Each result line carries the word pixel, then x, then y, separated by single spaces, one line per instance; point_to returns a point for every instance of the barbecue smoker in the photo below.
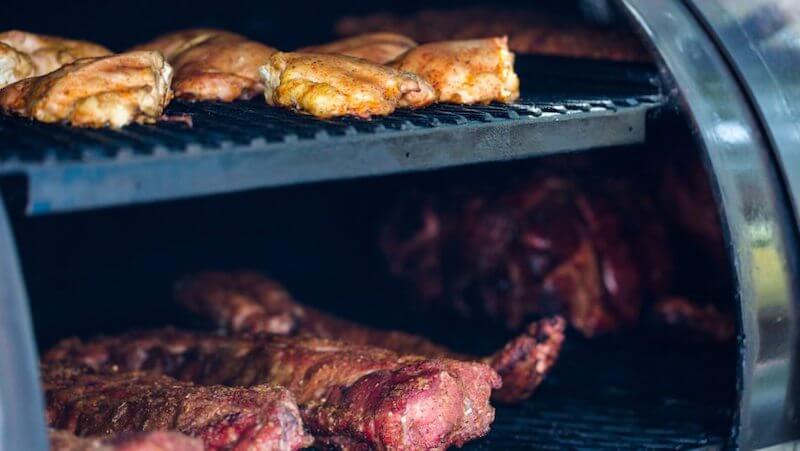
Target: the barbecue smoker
pixel 97 225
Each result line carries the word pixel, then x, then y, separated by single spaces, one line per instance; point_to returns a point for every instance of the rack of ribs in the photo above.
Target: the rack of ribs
pixel 108 402
pixel 536 245
pixel 143 441
pixel 249 303
pixel 350 397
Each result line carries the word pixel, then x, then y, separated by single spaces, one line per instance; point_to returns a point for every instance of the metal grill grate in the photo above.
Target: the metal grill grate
pixel 220 126
pixel 246 145
pixel 619 394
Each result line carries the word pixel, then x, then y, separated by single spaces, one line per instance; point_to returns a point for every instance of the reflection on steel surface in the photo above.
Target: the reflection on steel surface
pixel 754 209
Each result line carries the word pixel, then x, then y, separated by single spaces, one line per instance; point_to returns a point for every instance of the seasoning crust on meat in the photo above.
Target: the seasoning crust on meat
pixel 48 53
pixel 14 65
pixel 144 441
pixel 378 48
pixel 353 397
pixel 95 92
pixel 212 64
pixel 472 71
pixel 522 248
pixel 335 85
pixel 692 322
pixel 89 403
pixel 247 302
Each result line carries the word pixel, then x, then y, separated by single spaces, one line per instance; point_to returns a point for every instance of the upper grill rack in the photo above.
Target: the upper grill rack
pixel 245 145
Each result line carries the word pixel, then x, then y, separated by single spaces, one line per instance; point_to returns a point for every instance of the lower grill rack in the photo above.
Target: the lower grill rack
pixel 614 394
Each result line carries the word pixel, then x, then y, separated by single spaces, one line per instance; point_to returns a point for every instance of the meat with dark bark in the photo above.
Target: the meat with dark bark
pixel 142 441
pixel 109 402
pixel 530 247
pixel 350 396
pixel 691 322
pixel 247 302
pixel 687 197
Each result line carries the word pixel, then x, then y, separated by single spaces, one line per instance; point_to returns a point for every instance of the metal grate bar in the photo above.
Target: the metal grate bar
pixel 142 163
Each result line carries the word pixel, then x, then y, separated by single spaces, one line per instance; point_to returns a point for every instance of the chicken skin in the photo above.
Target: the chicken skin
pixel 473 71
pixel 172 44
pixel 378 48
pixel 335 85
pixel 212 64
pixel 14 65
pixel 95 92
pixel 48 53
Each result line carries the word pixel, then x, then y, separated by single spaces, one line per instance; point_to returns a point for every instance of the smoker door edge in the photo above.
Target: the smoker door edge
pixel 754 211
pixel 21 405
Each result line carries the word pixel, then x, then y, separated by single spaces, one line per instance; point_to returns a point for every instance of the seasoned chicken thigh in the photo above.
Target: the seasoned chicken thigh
pixel 95 92
pixel 473 71
pixel 335 85
pixel 213 64
pixel 14 65
pixel 172 44
pixel 379 48
pixel 48 53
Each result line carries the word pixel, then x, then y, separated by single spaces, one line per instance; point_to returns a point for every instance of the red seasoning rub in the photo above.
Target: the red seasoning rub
pixel 249 303
pixel 90 403
pixel 352 397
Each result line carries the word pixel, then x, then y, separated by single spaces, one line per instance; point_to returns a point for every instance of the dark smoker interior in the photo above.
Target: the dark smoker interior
pixel 112 270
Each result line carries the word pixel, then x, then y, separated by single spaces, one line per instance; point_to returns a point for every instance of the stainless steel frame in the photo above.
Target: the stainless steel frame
pixel 21 405
pixel 755 211
pixel 761 40
pixel 748 127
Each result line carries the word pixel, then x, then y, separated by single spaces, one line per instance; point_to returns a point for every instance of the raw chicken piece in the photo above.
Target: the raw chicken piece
pixel 473 71
pixel 378 48
pixel 48 53
pixel 213 64
pixel 14 65
pixel 95 92
pixel 335 85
